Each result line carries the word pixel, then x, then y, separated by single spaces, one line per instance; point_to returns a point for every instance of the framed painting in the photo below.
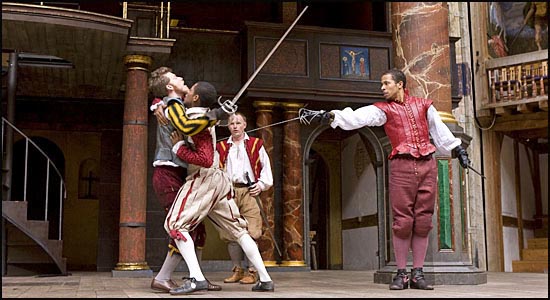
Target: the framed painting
pixel 354 63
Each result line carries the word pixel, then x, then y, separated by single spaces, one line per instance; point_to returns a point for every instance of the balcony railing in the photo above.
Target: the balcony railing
pixel 151 19
pixel 518 83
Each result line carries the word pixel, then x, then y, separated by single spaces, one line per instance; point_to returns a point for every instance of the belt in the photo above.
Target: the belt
pixel 240 185
pixel 410 157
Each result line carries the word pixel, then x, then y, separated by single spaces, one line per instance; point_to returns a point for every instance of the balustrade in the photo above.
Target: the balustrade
pixel 519 83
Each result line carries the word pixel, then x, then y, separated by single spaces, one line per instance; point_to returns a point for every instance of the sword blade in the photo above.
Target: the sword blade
pixel 477 172
pixel 245 86
pixel 264 217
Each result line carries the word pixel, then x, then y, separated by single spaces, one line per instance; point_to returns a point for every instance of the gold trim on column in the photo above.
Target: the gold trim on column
pixel 447 117
pixel 270 263
pixel 293 263
pixel 132 266
pixel 292 107
pixel 264 106
pixel 138 62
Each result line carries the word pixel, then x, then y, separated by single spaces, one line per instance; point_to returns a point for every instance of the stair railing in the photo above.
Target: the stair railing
pixel 62 186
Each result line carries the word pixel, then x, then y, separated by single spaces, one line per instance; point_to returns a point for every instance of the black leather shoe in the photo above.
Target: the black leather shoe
pixel 261 286
pixel 418 281
pixel 190 286
pixel 400 281
pixel 213 287
pixel 163 285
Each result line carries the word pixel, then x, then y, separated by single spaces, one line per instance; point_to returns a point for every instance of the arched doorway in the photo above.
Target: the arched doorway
pixel 318 209
pixel 36 180
pixel 344 180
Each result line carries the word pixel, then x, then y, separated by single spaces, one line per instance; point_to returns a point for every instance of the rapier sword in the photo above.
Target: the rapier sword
pixel 264 217
pixel 228 105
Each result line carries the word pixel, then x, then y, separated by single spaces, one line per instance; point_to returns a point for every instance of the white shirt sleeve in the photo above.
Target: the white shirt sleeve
pixel 266 177
pixel 442 136
pixel 349 119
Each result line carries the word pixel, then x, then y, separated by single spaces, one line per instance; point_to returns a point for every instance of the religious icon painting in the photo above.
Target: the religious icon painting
pixel 354 62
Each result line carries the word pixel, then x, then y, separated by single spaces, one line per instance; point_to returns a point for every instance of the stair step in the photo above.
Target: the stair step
pixel 537 243
pixel 17 269
pixel 530 266
pixel 534 254
pixel 15 209
pixel 27 254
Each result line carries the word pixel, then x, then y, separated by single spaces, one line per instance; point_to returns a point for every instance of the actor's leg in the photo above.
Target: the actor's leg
pixel 236 254
pixel 253 253
pixel 170 264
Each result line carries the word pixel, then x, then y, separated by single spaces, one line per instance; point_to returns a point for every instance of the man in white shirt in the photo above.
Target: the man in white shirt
pixel 242 155
pixel 408 122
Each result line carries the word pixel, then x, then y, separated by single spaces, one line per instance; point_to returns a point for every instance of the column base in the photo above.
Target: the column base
pixel 270 263
pixel 140 269
pixel 293 263
pixel 438 275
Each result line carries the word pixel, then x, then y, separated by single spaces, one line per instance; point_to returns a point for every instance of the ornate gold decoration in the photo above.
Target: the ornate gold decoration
pixel 264 106
pixel 293 263
pixel 138 62
pixel 270 263
pixel 292 106
pixel 132 266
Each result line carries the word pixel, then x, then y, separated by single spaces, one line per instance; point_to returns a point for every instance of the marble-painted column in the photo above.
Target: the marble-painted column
pixel 133 186
pixel 293 217
pixel 264 117
pixel 420 33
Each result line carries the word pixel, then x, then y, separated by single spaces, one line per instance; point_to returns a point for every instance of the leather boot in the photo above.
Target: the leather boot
pixel 250 278
pixel 418 281
pixel 400 281
pixel 238 274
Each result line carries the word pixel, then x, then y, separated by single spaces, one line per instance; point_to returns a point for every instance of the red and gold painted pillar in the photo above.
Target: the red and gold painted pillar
pixel 420 33
pixel 264 117
pixel 293 217
pixel 133 190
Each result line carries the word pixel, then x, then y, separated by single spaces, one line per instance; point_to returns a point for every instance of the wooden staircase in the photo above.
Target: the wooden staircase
pixel 29 249
pixel 535 256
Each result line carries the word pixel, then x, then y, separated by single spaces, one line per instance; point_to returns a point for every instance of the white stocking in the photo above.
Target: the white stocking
pixel 253 253
pixel 187 250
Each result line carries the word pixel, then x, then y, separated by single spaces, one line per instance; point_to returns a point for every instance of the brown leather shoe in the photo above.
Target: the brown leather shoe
pixel 238 274
pixel 250 278
pixel 163 285
pixel 213 287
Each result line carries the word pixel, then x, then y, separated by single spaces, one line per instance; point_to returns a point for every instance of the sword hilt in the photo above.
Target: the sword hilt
pixel 228 106
pixel 248 181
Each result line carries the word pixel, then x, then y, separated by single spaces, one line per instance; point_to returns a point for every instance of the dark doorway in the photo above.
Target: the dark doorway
pixel 318 209
pixel 40 180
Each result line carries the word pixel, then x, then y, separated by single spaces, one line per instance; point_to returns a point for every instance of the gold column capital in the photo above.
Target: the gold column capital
pixel 264 106
pixel 138 62
pixel 292 107
pixel 447 117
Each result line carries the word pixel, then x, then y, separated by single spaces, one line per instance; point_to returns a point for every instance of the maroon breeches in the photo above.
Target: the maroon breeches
pixel 412 195
pixel 167 181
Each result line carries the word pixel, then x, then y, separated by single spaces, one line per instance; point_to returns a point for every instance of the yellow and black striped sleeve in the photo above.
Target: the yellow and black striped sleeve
pixel 189 127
